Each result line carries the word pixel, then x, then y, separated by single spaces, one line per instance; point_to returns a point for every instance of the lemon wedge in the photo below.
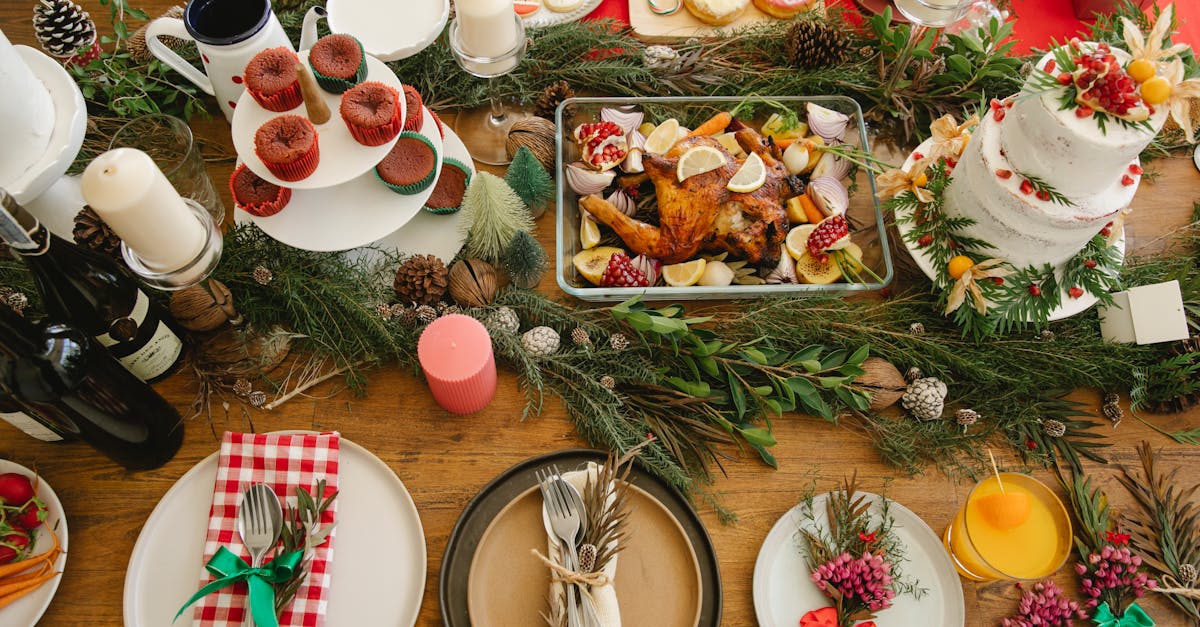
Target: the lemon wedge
pixel 797 240
pixel 684 274
pixel 589 232
pixel 749 177
pixel 662 137
pixel 698 160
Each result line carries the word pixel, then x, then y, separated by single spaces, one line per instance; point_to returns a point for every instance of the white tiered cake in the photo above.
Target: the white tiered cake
pixel 1094 167
pixel 27 113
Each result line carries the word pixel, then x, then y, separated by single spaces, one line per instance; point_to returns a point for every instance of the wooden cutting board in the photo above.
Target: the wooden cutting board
pixel 680 25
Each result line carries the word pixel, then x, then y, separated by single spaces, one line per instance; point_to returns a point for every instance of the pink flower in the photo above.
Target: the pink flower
pixel 1044 606
pixel 1113 576
pixel 863 582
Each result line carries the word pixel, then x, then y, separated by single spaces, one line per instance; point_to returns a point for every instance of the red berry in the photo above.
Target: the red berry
pixel 1090 263
pixel 1127 180
pixel 1075 292
pixel 1064 79
pixel 950 163
pixel 1026 187
pixel 1106 231
pixel 622 273
pixel 1034 290
pixel 1050 65
pixel 1004 174
pixel 917 156
pixel 925 240
pixel 1043 194
pixel 1083 112
pixel 1135 169
pixel 1030 444
pixel 995 104
pixel 998 280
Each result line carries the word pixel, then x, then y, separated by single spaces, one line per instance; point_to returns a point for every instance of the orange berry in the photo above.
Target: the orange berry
pixel 1156 90
pixel 922 180
pixel 958 266
pixel 1141 70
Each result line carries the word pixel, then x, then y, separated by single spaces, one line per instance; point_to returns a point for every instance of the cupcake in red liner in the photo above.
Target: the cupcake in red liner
pixel 256 196
pixel 271 79
pixel 338 62
pixel 372 113
pixel 438 121
pixel 414 116
pixel 450 188
pixel 408 169
pixel 288 147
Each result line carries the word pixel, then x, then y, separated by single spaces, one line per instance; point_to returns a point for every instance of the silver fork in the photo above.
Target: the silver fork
pixel 565 526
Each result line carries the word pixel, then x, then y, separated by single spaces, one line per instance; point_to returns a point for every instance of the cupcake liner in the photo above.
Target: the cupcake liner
pixel 336 85
pixel 438 121
pixel 298 169
pixel 421 185
pixel 451 162
pixel 285 99
pixel 378 135
pixel 269 208
pixel 415 119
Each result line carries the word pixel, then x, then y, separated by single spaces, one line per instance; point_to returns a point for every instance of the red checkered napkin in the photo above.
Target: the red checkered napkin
pixel 283 462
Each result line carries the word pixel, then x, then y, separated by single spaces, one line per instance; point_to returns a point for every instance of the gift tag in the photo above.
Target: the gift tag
pixel 1157 312
pixel 1116 322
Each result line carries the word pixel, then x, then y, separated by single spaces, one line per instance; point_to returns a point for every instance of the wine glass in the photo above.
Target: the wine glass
pixel 923 14
pixel 485 131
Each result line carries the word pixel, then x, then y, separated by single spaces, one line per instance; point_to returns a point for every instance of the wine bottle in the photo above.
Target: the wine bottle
pixel 95 294
pixel 18 415
pixel 64 376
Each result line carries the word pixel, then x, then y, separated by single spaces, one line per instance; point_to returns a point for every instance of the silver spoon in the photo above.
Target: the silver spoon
pixel 260 520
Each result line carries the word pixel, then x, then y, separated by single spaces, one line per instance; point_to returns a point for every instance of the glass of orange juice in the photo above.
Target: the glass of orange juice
pixel 1011 527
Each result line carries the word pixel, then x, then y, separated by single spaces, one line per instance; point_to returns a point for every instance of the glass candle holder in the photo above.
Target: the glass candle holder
pixel 485 132
pixel 192 272
pixel 170 143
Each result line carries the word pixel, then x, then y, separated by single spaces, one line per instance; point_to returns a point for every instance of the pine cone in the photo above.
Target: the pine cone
pixel 579 336
pixel 1113 412
pixel 138 51
pixel 553 95
pixel 426 314
pixel 242 387
pixel 422 279
pixel 587 558
pixel 966 417
pixel 912 374
pixel 262 275
pixel 925 398
pixel 1054 428
pixel 503 320
pixel 607 382
pixel 1046 335
pixel 916 328
pixel 406 315
pixel 91 232
pixel 385 311
pixel 1112 397
pixel 540 341
pixel 1187 574
pixel 815 44
pixel 618 342
pixel 62 27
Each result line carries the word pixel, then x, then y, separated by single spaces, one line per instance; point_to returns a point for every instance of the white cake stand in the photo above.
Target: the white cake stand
pixel 43 189
pixel 1069 307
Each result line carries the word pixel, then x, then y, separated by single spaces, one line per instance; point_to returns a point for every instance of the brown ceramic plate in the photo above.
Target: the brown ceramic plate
pixel 658 577
pixel 478 515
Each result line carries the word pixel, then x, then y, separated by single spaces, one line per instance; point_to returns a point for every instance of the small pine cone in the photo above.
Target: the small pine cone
pixel 451 310
pixel 587 558
pixel 426 314
pixel 17 301
pixel 912 374
pixel 385 311
pixel 90 231
pixel 422 279
pixel 580 337
pixel 607 382
pixel 1046 335
pixel 242 387
pixel 263 275
pixel 1054 428
pixel 618 342
pixel 916 328
pixel 257 398
pixel 815 44
pixel 441 307
pixel 547 102
pixel 1187 574
pixel 966 417
pixel 407 315
pixel 1112 397
pixel 1113 412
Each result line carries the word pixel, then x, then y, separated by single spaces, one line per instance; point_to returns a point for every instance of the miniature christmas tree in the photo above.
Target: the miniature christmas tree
pixel 494 214
pixel 528 178
pixel 525 261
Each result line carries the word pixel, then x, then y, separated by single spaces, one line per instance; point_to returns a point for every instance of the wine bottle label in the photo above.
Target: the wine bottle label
pixel 31 427
pixel 142 342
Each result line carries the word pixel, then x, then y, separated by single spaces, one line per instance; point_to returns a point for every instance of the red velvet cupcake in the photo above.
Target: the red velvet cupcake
pixel 288 147
pixel 372 113
pixel 414 117
pixel 271 79
pixel 440 125
pixel 338 62
pixel 256 196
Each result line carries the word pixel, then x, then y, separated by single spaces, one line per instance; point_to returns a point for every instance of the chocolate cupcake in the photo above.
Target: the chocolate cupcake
pixel 408 169
pixel 288 147
pixel 256 196
pixel 414 117
pixel 271 79
pixel 372 113
pixel 451 185
pixel 338 62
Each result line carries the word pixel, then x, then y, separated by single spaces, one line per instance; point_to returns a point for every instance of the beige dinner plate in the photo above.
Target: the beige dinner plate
pixel 658 574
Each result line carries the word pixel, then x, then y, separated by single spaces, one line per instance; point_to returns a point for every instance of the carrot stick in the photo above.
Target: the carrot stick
pixel 713 125
pixel 810 209
pixel 783 143
pixel 14 568
pixel 32 575
pixel 7 595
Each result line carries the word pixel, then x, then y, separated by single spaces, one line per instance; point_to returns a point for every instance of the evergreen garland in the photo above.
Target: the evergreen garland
pixel 530 180
pixel 525 261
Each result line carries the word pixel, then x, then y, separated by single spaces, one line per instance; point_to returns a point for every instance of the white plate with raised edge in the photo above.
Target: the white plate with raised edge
pixel 26 611
pixel 784 591
pixel 70 124
pixel 1068 307
pixel 546 17
pixel 341 156
pixel 378 571
pixel 355 213
pixel 390 30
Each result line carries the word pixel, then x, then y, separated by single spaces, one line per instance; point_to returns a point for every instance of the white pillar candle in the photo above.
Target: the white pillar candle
pixel 486 28
pixel 128 191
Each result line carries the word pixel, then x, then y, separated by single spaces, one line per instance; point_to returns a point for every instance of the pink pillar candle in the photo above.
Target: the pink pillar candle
pixel 456 354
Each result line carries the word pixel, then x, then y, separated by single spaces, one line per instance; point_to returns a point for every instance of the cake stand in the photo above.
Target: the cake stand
pixel 349 215
pixel 43 189
pixel 1069 307
pixel 342 157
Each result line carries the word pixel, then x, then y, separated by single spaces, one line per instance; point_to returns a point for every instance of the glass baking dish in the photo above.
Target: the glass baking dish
pixel 865 215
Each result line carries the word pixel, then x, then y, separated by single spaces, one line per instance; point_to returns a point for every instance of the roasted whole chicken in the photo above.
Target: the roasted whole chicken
pixel 700 214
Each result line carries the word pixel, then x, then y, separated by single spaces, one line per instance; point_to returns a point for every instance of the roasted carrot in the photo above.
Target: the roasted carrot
pixel 782 144
pixel 713 125
pixel 810 209
pixel 8 594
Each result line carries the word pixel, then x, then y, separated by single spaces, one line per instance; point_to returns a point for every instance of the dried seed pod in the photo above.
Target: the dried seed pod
pixel 473 283
pixel 882 381
pixel 204 307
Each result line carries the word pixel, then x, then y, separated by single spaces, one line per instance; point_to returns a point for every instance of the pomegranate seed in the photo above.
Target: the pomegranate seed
pixel 1004 174
pixel 1127 180
pixel 995 104
pixel 1075 292
pixel 1135 169
pixel 925 241
pixel 1106 231
pixel 998 115
pixel 823 258
pixel 1090 263
pixel 1043 195
pixel 950 163
pixel 1026 187
pixel 998 280
pixel 1034 290
pixel 1064 79
pixel 1083 112
pixel 918 156
pixel 1050 65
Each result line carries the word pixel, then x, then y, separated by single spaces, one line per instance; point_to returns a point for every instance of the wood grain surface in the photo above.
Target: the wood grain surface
pixel 445 459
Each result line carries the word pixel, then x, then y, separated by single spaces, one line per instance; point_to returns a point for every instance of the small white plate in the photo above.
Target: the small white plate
pixel 352 214
pixel 546 17
pixel 784 591
pixel 378 571
pixel 70 124
pixel 342 157
pixel 26 611
pixel 390 30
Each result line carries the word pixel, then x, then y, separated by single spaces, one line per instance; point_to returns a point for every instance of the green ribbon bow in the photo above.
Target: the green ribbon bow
pixel 1134 616
pixel 230 569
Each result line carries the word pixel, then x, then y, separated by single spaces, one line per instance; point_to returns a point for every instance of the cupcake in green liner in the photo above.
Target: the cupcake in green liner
pixel 408 168
pixel 451 185
pixel 338 62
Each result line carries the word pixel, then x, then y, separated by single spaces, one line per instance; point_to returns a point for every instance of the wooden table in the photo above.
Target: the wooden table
pixel 445 459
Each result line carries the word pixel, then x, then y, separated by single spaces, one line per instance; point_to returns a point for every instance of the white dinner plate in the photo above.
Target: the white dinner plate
pixel 70 124
pixel 784 591
pixel 355 213
pixel 378 571
pixel 341 156
pixel 26 611
pixel 546 17
pixel 390 30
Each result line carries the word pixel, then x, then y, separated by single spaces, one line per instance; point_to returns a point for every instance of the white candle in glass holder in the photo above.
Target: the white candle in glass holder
pixel 486 28
pixel 128 191
pixel 934 13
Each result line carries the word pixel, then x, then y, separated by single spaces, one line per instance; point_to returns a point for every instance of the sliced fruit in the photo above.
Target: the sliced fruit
pixel 591 263
pixel 831 234
pixel 684 274
pixel 1005 510
pixel 779 127
pixel 729 142
pixel 660 140
pixel 812 269
pixel 622 273
pixel 646 128
pixel 1104 86
pixel 717 274
pixel 797 240
pixel 958 266
pixel 698 160
pixel 795 210
pixel 589 232
pixel 749 177
pixel 603 144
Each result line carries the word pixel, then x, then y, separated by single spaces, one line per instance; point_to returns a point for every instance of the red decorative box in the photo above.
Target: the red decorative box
pixel 1087 9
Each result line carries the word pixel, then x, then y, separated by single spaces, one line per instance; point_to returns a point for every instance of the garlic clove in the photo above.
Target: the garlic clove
pixel 785 271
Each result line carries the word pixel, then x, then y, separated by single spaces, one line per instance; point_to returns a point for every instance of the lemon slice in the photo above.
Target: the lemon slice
pixel 589 232
pixel 662 137
pixel 698 160
pixel 797 240
pixel 750 176
pixel 684 274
